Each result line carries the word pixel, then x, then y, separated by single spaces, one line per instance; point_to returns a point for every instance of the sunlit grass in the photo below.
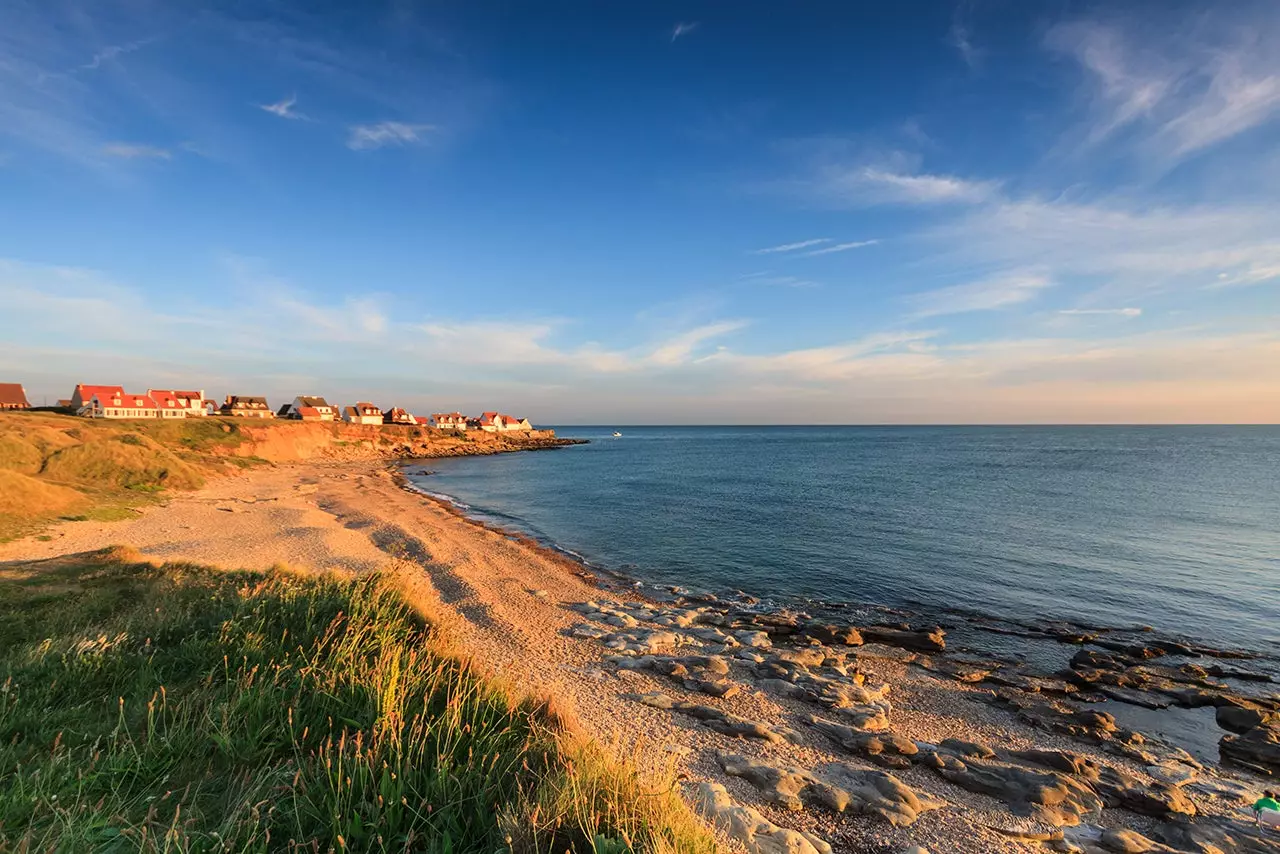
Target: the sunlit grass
pixel 176 708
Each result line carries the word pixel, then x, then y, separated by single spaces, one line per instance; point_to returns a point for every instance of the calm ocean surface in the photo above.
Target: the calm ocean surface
pixel 1176 527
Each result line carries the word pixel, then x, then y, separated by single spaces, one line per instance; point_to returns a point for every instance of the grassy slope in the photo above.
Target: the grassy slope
pixel 56 466
pixel 184 709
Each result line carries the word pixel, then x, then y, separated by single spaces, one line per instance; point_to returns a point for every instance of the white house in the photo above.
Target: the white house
pixel 449 421
pixel 178 404
pixel 246 406
pixel 120 405
pixel 310 409
pixel 362 413
pixel 496 422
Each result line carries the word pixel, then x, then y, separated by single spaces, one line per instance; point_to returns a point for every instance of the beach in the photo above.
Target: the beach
pixel 764 696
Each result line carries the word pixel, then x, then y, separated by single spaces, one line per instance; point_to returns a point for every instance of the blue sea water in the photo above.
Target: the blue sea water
pixel 1174 527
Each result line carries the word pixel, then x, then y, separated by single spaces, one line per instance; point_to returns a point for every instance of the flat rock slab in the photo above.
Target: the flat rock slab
pixel 840 789
pixel 748 827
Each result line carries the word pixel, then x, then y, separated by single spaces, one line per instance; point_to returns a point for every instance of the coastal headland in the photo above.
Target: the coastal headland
pixel 790 732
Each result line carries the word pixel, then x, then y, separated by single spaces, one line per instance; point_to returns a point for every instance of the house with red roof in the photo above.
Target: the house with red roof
pixel 362 413
pixel 83 394
pixel 308 408
pixel 449 421
pixel 246 406
pixel 397 415
pixel 13 396
pixel 178 404
pixel 496 422
pixel 120 404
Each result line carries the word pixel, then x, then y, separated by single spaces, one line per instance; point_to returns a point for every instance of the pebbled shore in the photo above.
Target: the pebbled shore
pixel 791 730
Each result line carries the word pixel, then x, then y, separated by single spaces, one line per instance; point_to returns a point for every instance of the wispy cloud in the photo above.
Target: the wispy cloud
pixel 1131 248
pixel 960 37
pixel 111 52
pixel 284 108
pixel 868 185
pixel 779 281
pixel 792 247
pixel 1114 312
pixel 843 247
pixel 127 150
pixel 1181 92
pixel 986 295
pixel 683 29
pixel 364 137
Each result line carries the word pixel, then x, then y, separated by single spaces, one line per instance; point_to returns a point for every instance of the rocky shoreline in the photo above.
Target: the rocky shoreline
pixel 1083 781
pixel 722 648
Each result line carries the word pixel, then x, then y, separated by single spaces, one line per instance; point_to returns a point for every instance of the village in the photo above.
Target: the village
pixel 112 401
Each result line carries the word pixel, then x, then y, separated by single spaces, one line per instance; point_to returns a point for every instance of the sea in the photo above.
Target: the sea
pixel 1177 528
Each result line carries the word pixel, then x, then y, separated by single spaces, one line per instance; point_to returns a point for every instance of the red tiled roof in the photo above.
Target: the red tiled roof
pixel 181 399
pixel 304 411
pixel 12 394
pixel 421 419
pixel 88 391
pixel 126 401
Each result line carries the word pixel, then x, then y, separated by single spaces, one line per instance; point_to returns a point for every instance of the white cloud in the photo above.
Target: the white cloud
pixel 986 295
pixel 1130 248
pixel 111 52
pixel 284 108
pixel 683 29
pixel 679 349
pixel 872 185
pixel 961 39
pixel 843 247
pixel 126 150
pixel 791 247
pixel 1117 312
pixel 364 137
pixel 1180 92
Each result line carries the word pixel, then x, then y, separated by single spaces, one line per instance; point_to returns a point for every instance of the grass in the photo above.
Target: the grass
pixel 54 465
pixel 176 708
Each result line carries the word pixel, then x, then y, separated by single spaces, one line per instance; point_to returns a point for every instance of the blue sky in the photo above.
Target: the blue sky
pixel 976 211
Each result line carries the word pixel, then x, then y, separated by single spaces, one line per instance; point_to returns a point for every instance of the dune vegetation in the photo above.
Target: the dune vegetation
pixel 56 466
pixel 177 708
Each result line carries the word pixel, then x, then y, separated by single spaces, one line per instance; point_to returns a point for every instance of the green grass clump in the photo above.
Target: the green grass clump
pixel 176 708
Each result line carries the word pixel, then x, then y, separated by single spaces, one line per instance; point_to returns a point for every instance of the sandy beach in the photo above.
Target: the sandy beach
pixel 519 610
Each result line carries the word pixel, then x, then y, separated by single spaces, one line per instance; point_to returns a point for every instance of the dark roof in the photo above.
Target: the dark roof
pixel 312 401
pixel 11 394
pixel 284 410
pixel 244 400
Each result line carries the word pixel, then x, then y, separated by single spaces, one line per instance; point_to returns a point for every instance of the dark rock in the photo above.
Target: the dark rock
pixel 1258 749
pixel 1240 720
pixel 931 640
pixel 830 633
pixel 1054 798
pixel 966 749
pixel 883 748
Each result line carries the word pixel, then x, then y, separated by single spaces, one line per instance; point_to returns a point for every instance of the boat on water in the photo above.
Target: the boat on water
pixel 617 435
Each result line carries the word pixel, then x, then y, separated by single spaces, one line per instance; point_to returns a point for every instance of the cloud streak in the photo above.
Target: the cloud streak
pixel 986 295
pixel 683 29
pixel 383 134
pixel 1179 93
pixel 792 247
pixel 137 152
pixel 284 108
pixel 1114 312
pixel 843 247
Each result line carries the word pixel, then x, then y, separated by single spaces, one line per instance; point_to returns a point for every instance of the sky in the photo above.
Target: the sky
pixel 976 211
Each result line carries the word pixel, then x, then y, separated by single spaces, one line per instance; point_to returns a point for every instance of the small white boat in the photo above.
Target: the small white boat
pixel 617 435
